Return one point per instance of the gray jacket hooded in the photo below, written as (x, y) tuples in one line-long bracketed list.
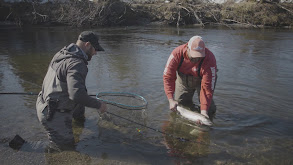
[(65, 81)]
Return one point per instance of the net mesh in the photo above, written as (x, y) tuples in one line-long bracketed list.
[(123, 100)]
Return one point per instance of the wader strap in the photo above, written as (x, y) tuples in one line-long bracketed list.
[(199, 67), (181, 61)]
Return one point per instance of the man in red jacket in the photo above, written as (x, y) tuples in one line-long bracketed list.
[(191, 67)]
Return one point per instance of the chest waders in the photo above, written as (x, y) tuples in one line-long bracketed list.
[(58, 124), (186, 85)]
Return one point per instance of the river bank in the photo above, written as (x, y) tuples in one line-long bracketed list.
[(118, 13)]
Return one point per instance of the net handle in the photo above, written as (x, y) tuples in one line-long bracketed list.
[(120, 104)]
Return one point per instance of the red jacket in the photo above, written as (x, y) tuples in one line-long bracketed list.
[(207, 72)]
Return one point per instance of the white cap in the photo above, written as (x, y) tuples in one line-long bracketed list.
[(196, 47)]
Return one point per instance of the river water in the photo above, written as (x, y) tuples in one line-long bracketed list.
[(254, 97)]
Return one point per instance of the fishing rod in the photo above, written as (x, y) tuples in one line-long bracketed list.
[(22, 93), (171, 135), (156, 130), (32, 93), (18, 93), (162, 132)]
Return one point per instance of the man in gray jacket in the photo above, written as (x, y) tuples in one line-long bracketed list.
[(64, 94)]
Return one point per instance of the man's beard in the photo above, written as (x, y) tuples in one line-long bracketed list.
[(89, 57), (88, 53), (193, 60)]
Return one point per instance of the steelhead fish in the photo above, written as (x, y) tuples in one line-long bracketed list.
[(193, 116)]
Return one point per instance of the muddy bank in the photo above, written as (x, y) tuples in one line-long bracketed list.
[(118, 13)]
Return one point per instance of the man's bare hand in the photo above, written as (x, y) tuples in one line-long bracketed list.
[(173, 105)]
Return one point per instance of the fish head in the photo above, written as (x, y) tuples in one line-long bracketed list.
[(207, 122)]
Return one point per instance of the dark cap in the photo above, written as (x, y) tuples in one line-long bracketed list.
[(92, 37)]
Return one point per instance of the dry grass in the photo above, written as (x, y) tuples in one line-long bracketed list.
[(115, 12), (257, 14)]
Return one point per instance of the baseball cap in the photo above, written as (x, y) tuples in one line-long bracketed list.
[(92, 37), (196, 47)]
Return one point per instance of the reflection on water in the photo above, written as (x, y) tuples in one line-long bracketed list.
[(254, 95), (196, 145)]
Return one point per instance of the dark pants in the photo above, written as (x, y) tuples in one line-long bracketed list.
[(59, 128), (184, 91)]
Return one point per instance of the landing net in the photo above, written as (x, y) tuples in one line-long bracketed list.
[(123, 100)]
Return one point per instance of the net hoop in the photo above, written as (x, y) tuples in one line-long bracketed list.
[(124, 106)]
